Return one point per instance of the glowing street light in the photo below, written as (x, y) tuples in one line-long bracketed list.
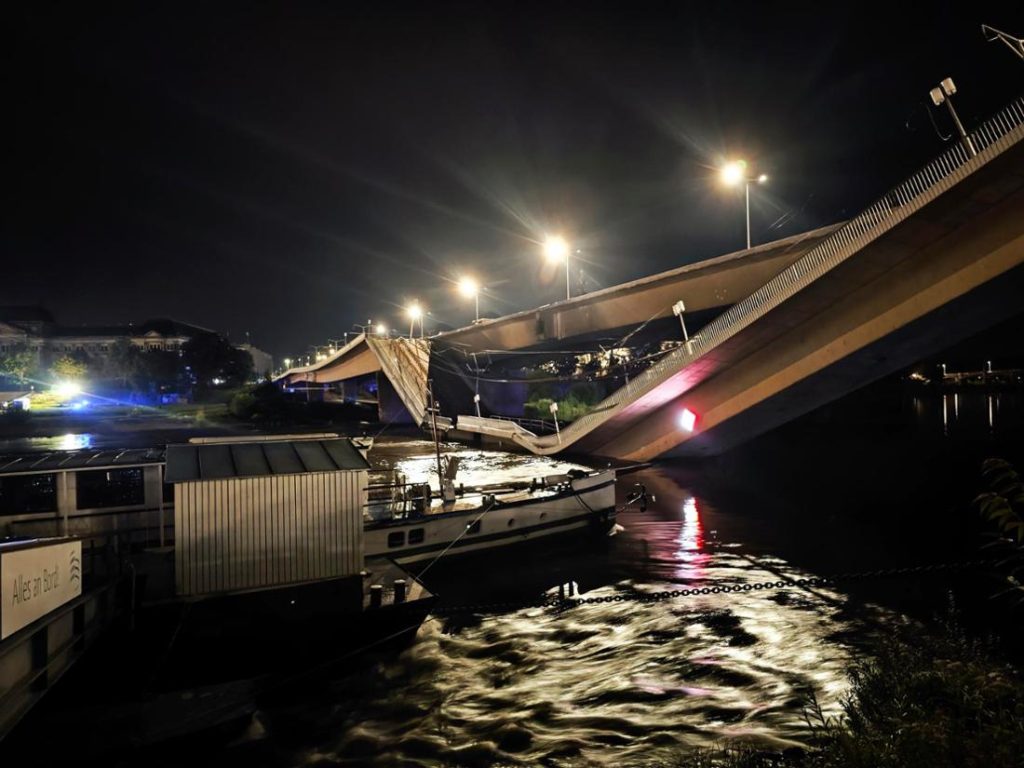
[(734, 173), (414, 312), (555, 250), (67, 389), (287, 363), (381, 329), (469, 288)]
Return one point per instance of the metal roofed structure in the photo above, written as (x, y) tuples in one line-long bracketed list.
[(218, 461), (58, 461), (255, 514)]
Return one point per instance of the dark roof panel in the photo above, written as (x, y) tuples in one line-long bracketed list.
[(345, 455), (314, 458), (250, 460), (82, 459), (215, 461), (282, 458)]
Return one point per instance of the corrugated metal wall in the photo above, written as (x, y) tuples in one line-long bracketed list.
[(244, 533)]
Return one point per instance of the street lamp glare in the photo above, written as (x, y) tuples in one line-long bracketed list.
[(381, 329), (762, 178), (414, 311), (734, 173), (556, 249), (468, 287)]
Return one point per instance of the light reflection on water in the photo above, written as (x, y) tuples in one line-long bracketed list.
[(607, 684), (71, 441), (969, 413)]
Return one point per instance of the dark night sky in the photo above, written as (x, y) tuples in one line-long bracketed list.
[(292, 171)]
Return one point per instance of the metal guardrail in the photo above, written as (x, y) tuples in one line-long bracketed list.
[(992, 138), (534, 425)]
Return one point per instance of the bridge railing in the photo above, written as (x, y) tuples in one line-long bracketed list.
[(990, 139)]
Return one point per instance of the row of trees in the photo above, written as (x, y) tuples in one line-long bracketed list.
[(205, 360)]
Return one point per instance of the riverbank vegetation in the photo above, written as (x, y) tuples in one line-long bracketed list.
[(921, 699), (266, 405)]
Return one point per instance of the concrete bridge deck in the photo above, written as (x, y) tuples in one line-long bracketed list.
[(934, 260)]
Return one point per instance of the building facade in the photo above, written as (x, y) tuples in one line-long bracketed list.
[(36, 329)]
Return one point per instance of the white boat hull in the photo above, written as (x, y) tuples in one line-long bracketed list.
[(590, 506)]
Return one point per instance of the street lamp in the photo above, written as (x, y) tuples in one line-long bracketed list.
[(556, 249), (1015, 44), (415, 312), (735, 172), (469, 288), (678, 309), (943, 92), (381, 329)]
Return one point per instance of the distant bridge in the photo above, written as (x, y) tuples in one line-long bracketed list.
[(809, 318)]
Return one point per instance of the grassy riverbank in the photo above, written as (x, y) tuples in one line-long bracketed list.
[(932, 699)]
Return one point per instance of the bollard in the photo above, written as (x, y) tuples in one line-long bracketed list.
[(399, 590), (376, 595)]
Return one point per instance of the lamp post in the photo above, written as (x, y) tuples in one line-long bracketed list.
[(943, 92), (556, 249), (678, 309), (733, 173), (1015, 44), (415, 312), (364, 328), (469, 288)]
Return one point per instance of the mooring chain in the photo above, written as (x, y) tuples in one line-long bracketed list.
[(562, 602)]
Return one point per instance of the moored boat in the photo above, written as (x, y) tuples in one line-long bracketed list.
[(412, 527)]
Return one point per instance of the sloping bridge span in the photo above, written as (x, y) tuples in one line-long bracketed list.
[(935, 260), (404, 362), (709, 284), (349, 362)]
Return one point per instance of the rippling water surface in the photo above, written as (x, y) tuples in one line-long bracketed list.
[(607, 684)]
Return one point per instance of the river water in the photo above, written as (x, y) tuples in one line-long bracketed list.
[(628, 684), (610, 684)]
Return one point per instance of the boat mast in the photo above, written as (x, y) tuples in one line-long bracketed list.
[(433, 424)]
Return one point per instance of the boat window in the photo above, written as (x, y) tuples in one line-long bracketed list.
[(416, 536), (396, 539), (473, 527), (27, 493), (110, 488)]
